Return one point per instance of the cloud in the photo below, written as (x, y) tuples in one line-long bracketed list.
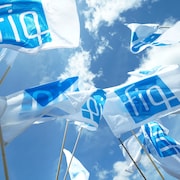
[(79, 65), (105, 11), (103, 44), (145, 165)]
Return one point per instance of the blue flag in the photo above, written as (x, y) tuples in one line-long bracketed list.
[(32, 25), (34, 105), (153, 96), (89, 106), (164, 149), (148, 35)]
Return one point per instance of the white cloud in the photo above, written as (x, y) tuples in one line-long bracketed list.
[(102, 174), (103, 43), (106, 11), (119, 171), (79, 65), (145, 165)]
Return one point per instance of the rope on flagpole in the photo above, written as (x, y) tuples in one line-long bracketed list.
[(62, 147), (3, 155), (132, 159), (75, 145), (162, 177)]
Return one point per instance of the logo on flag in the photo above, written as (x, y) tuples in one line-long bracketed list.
[(93, 107), (146, 98), (164, 144), (46, 93), (148, 40), (23, 24)]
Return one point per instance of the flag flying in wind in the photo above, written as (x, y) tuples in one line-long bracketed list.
[(89, 107), (31, 25), (76, 170), (164, 149), (145, 35), (130, 105), (35, 104), (134, 148)]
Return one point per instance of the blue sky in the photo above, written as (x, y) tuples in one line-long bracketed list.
[(102, 60)]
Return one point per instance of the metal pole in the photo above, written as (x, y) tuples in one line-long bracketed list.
[(3, 155), (1, 135), (61, 152), (132, 159), (77, 140), (5, 74), (148, 155)]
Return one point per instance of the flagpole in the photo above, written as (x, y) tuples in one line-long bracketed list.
[(132, 159), (77, 140), (5, 74), (3, 155), (62, 147), (162, 177), (1, 135)]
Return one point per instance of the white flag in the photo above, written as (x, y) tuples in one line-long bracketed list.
[(89, 107), (130, 105), (33, 25), (35, 104), (146, 35), (76, 170), (134, 148), (164, 149)]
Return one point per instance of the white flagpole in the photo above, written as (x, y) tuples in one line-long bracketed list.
[(132, 159), (3, 155), (162, 177), (75, 145), (1, 135), (62, 147)]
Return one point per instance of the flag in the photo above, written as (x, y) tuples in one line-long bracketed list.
[(76, 170), (89, 106), (134, 148), (164, 149), (146, 35), (40, 103), (130, 105), (33, 25)]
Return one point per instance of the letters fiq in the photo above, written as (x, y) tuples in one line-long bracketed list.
[(146, 98), (23, 26)]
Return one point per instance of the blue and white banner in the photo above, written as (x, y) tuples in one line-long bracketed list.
[(135, 150), (89, 107), (164, 149), (34, 105), (32, 25), (146, 35), (128, 106), (76, 170)]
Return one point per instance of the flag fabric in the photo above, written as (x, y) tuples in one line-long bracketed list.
[(33, 25), (130, 105), (146, 35), (89, 106), (35, 104), (164, 149), (76, 170), (135, 150)]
